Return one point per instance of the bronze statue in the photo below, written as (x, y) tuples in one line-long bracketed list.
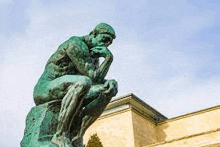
[(74, 76)]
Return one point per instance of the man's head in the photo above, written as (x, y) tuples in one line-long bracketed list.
[(104, 28), (102, 35)]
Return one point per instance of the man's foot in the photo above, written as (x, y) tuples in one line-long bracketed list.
[(61, 141), (77, 142)]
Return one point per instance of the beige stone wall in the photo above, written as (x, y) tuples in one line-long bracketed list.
[(191, 124), (144, 130), (113, 130), (208, 139), (213, 145), (128, 122)]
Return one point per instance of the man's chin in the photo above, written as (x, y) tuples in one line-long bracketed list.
[(94, 55)]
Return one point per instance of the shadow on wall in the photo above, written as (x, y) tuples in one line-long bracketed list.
[(213, 145), (161, 135)]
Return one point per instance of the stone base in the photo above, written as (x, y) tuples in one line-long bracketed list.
[(41, 125)]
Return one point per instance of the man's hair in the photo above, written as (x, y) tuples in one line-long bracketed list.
[(104, 28)]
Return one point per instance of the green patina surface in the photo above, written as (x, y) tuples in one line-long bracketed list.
[(72, 91), (41, 125)]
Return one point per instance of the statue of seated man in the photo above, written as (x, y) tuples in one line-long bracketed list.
[(74, 76)]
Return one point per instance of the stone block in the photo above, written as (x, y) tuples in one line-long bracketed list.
[(41, 125)]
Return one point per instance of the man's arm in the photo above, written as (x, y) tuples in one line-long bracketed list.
[(104, 67), (79, 54)]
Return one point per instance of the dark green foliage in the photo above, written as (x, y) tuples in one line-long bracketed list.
[(94, 141)]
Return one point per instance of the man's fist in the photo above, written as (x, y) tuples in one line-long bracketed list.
[(101, 51), (111, 87)]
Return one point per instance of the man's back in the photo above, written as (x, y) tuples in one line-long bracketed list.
[(60, 64)]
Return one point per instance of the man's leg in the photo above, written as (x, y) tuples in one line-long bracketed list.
[(71, 102), (94, 104)]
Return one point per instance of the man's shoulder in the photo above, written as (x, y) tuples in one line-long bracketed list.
[(75, 39), (77, 44)]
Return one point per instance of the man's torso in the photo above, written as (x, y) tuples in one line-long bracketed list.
[(59, 64)]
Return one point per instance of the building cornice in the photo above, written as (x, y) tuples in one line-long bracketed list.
[(132, 102), (190, 114)]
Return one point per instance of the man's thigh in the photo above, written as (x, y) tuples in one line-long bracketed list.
[(57, 88)]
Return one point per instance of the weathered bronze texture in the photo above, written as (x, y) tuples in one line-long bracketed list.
[(72, 91)]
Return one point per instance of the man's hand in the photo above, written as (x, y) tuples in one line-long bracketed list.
[(111, 87), (100, 73), (101, 51)]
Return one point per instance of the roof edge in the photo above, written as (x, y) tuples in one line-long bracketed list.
[(191, 114), (135, 103)]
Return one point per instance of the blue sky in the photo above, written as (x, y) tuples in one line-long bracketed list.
[(166, 52)]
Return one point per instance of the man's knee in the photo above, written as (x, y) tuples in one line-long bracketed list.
[(114, 88), (85, 82)]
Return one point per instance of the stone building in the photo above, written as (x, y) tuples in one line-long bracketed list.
[(130, 122)]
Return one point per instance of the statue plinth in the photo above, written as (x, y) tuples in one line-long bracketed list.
[(41, 125)]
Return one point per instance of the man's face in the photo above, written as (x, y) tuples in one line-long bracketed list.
[(102, 40)]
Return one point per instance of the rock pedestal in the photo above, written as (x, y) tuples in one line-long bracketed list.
[(41, 125)]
